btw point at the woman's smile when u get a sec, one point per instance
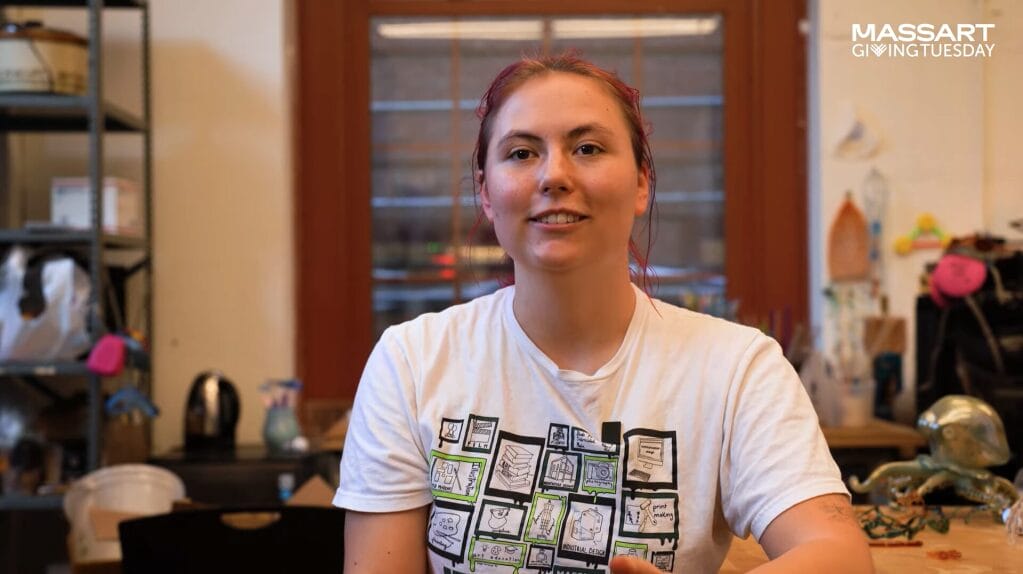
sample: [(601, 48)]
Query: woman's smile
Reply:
[(557, 219)]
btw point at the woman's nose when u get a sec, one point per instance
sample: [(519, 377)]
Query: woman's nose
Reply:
[(556, 174)]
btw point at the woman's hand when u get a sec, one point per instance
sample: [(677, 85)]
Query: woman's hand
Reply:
[(632, 565)]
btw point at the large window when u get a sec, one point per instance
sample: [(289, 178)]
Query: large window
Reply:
[(384, 126)]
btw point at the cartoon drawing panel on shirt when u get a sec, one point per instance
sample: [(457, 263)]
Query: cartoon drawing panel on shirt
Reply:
[(574, 570), (447, 529), (649, 515), (515, 467), (501, 519), (451, 430), (547, 512), (557, 436), (499, 553), (600, 475), (649, 460), (586, 532), (561, 470), (479, 437), (630, 549), (664, 561), (456, 477), (541, 557), (583, 441)]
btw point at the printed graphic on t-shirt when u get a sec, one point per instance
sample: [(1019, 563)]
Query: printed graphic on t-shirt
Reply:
[(501, 519), (548, 512), (586, 532), (630, 549), (456, 477), (561, 470), (540, 557), (557, 436), (482, 551), (650, 459), (649, 515), (516, 464), (448, 528), (481, 433), (451, 430), (600, 474), (565, 502), (583, 441)]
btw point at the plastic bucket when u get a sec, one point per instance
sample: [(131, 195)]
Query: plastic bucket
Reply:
[(131, 488)]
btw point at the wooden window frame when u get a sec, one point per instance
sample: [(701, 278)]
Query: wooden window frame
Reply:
[(766, 225)]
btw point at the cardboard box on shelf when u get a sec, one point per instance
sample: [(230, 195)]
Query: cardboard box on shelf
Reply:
[(122, 205), (325, 422), (313, 492), (884, 334)]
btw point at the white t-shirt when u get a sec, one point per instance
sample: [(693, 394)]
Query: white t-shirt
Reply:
[(696, 429)]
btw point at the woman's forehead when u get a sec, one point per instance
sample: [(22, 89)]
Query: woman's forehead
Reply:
[(559, 100)]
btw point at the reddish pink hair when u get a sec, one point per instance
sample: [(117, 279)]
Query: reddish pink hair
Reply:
[(628, 98)]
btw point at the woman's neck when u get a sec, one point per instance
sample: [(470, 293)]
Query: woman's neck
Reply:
[(575, 320)]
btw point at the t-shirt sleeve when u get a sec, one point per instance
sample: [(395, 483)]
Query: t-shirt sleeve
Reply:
[(774, 453), (383, 463)]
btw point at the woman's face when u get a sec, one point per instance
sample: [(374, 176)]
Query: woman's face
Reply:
[(561, 185)]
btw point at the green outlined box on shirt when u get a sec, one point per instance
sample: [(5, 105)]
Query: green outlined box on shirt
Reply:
[(456, 477), (630, 549), (600, 474), (500, 553), (547, 512)]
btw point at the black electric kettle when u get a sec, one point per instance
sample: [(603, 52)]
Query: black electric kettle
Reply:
[(211, 413)]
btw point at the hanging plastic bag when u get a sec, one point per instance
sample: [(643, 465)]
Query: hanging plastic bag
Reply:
[(44, 303)]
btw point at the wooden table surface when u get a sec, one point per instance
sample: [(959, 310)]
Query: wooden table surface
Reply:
[(876, 434), (982, 544)]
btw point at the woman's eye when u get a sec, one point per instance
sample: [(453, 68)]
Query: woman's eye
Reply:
[(588, 149), (520, 154)]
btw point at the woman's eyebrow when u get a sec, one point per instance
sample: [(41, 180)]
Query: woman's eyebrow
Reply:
[(574, 133), (587, 129), (520, 135)]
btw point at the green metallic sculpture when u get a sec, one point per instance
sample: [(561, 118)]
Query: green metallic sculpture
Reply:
[(966, 436)]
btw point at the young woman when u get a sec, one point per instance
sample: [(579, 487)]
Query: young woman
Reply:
[(569, 422)]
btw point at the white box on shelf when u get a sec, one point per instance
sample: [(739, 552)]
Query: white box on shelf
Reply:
[(122, 204)]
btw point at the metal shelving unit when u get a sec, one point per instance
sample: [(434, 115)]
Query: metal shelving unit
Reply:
[(57, 113), (93, 116)]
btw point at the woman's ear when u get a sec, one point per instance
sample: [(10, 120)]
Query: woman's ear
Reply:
[(643, 191), (485, 196)]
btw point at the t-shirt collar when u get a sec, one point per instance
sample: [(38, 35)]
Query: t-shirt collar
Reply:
[(639, 315)]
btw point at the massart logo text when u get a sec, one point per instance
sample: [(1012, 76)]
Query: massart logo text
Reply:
[(922, 40)]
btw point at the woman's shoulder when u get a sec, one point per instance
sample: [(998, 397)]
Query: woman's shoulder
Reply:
[(692, 327)]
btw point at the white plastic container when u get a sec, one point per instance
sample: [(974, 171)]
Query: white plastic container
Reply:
[(34, 59), (130, 488), (857, 402)]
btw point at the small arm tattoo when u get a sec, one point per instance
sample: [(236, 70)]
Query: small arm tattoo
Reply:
[(838, 511)]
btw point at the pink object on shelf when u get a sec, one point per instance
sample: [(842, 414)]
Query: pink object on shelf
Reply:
[(107, 357), (958, 275)]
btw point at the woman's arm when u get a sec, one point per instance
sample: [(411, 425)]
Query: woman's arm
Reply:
[(820, 534), (386, 542)]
